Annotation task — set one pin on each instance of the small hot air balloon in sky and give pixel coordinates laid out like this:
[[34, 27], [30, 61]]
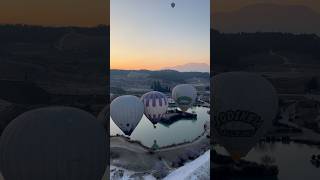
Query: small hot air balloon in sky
[[173, 4], [126, 112], [245, 105], [184, 95], [155, 105], [53, 143]]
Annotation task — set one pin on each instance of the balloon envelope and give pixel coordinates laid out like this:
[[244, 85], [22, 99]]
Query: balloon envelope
[[112, 97], [173, 5], [184, 95], [245, 105], [126, 112], [53, 143], [104, 116], [155, 105]]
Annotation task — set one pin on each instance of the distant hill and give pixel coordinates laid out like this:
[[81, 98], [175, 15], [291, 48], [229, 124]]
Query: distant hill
[[190, 67], [268, 17], [41, 34], [229, 48], [167, 75]]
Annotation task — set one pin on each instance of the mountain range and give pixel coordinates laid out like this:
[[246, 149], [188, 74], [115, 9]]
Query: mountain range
[[190, 67], [268, 17]]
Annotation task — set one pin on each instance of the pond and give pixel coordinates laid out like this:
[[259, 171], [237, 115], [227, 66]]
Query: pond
[[180, 131], [293, 160]]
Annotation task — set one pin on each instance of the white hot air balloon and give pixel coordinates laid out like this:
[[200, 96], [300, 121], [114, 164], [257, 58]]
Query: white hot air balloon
[[245, 105], [155, 105], [184, 95], [53, 143], [126, 112]]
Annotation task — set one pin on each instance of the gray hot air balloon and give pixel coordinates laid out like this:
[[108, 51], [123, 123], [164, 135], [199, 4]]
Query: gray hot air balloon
[[245, 105], [55, 143], [173, 4], [126, 112], [155, 105], [184, 95]]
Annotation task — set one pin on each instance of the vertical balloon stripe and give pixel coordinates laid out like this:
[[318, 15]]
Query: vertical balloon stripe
[[160, 102], [153, 100], [147, 100]]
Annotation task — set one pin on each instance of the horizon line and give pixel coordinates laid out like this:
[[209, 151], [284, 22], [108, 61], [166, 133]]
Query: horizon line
[[117, 69]]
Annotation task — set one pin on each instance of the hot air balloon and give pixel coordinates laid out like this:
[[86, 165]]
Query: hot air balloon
[[245, 105], [126, 112], [104, 116], [155, 105], [112, 97], [173, 4], [53, 143], [184, 95]]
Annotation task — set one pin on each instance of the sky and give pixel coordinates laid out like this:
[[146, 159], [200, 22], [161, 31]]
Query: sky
[[93, 12], [55, 12], [231, 5], [149, 34]]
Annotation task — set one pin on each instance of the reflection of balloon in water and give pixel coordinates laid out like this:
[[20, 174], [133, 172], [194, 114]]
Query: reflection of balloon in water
[[155, 146], [173, 5], [53, 143], [245, 105], [184, 95], [155, 105], [126, 111]]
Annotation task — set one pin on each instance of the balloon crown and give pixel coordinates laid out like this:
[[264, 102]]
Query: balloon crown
[[252, 120]]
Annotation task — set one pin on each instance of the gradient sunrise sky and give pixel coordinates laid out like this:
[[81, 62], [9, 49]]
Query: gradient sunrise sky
[[149, 34], [55, 12]]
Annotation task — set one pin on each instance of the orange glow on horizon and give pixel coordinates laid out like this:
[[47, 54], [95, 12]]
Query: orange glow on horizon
[[148, 63]]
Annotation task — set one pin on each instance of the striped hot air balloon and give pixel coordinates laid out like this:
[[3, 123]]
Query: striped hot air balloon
[[155, 105]]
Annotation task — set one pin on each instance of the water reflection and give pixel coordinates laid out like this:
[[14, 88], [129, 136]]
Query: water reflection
[[180, 131], [292, 159]]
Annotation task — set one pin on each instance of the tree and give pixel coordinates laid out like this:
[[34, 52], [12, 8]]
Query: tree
[[156, 86]]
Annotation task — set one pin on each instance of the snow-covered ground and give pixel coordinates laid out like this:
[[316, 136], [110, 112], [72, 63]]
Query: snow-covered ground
[[117, 173], [198, 169]]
